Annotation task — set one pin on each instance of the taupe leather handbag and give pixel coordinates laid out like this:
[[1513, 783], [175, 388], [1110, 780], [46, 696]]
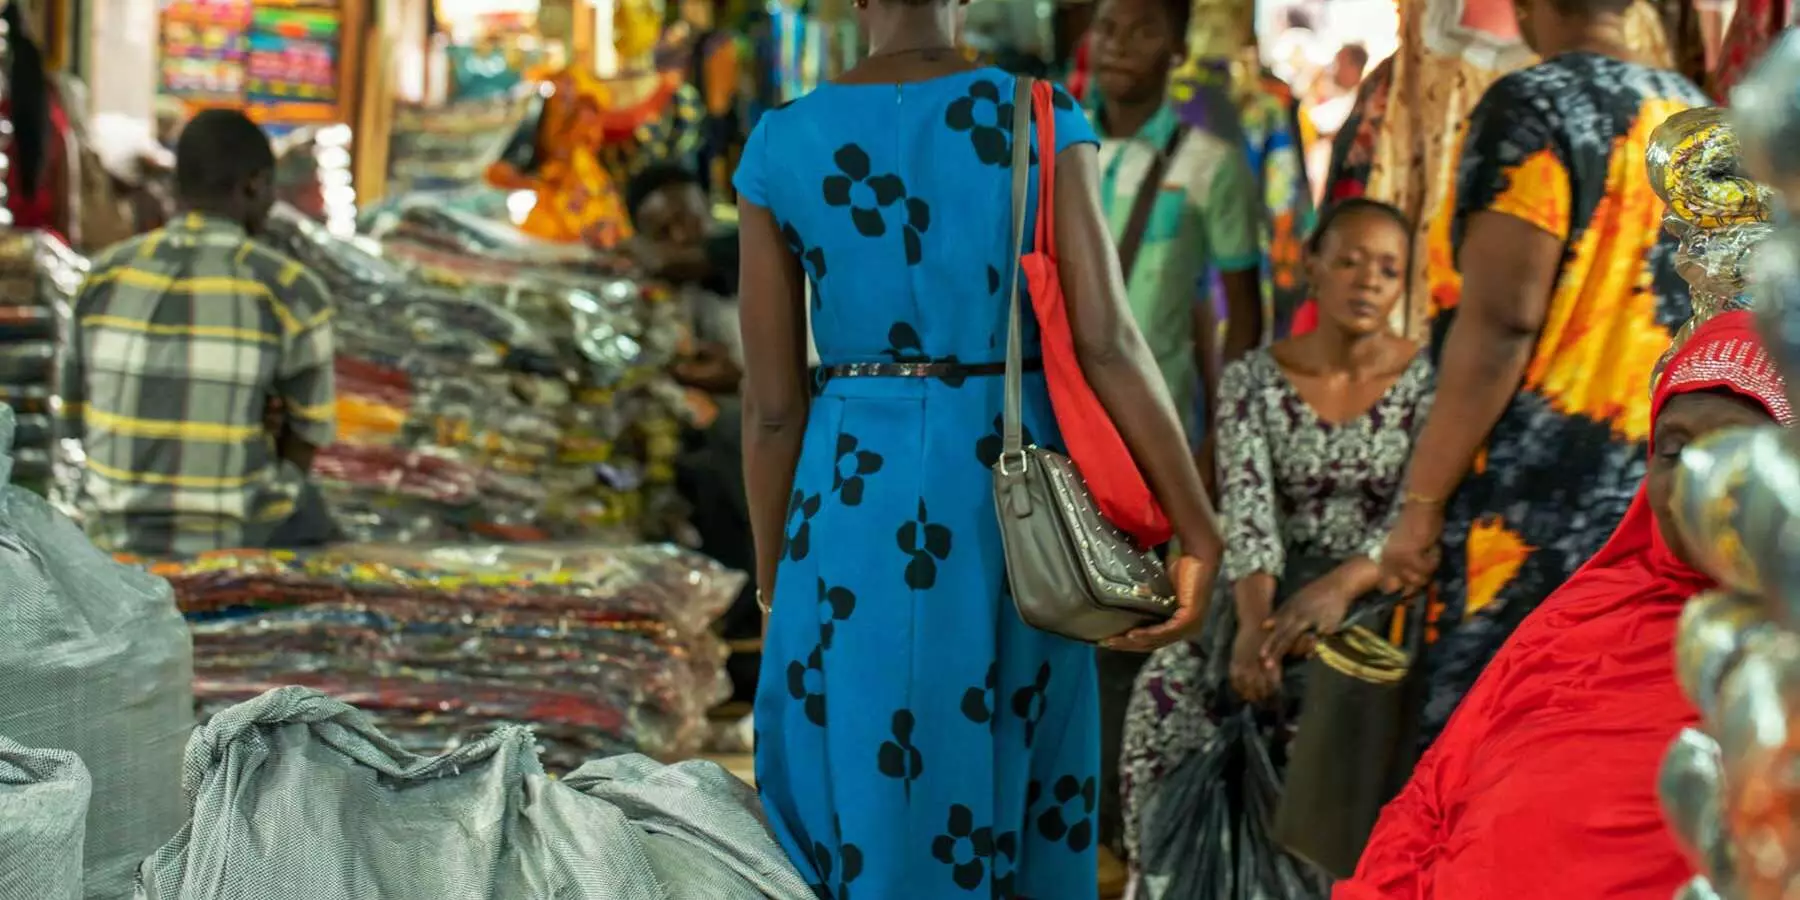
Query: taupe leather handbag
[[1071, 571]]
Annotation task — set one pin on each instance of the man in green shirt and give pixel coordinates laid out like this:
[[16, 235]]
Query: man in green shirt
[[1204, 216]]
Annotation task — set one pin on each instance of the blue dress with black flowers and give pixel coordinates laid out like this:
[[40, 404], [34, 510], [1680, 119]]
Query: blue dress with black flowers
[[915, 740]]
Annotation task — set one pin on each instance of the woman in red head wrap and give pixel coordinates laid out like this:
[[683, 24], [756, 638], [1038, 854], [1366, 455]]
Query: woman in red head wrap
[[1544, 783]]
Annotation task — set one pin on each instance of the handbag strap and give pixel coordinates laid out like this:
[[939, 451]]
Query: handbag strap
[[1012, 447], [1132, 239]]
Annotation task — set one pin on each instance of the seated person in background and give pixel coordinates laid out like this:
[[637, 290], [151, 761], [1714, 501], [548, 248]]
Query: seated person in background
[[198, 375], [1543, 785], [1315, 434], [675, 242]]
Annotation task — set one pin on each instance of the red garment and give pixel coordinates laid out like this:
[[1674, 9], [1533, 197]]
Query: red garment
[[1080, 72], [37, 210], [1544, 783], [1306, 318], [1753, 27], [1093, 441]]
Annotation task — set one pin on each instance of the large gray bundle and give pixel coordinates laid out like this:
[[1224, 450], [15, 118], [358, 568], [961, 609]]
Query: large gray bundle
[[297, 796], [94, 659], [43, 813]]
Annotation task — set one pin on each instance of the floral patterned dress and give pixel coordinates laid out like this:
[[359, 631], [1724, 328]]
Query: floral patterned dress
[[1294, 485]]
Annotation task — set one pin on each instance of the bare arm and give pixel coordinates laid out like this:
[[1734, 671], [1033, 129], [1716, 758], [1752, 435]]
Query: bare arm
[[1509, 270], [1114, 357], [775, 399]]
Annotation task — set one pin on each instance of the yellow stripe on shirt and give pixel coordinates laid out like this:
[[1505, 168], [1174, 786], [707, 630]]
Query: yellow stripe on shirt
[[157, 429], [194, 482], [122, 323]]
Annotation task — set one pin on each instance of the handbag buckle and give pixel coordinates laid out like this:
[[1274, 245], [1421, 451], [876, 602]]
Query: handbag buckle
[[1007, 460]]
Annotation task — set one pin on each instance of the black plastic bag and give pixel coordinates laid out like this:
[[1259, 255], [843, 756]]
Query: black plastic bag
[[1207, 829]]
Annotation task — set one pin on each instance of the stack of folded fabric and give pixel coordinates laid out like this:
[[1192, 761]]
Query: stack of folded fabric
[[600, 649], [39, 276]]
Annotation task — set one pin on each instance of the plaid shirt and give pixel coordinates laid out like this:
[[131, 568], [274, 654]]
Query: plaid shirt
[[182, 340]]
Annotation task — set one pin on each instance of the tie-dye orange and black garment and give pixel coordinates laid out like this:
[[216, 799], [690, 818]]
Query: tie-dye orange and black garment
[[1561, 146]]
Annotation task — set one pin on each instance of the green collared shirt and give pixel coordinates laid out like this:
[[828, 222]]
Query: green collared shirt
[[1205, 217]]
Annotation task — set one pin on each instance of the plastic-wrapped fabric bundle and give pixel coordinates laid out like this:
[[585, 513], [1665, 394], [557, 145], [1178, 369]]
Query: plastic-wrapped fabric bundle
[[39, 276], [43, 820], [296, 796], [603, 649], [96, 660]]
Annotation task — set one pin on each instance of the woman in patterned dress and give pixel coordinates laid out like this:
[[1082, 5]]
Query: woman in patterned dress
[[915, 740], [1315, 435], [1554, 291]]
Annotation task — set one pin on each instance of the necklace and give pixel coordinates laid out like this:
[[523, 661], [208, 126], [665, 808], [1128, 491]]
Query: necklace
[[885, 54]]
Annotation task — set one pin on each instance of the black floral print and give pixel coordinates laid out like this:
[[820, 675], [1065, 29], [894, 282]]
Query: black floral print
[[900, 758], [848, 867], [927, 544], [904, 346], [1069, 817], [988, 120], [801, 509], [978, 702], [878, 191], [964, 848], [1029, 702], [811, 257], [853, 465], [835, 605], [988, 449], [806, 683]]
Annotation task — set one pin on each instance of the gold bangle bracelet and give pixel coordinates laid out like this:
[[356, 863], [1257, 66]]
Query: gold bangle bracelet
[[762, 602], [1413, 498]]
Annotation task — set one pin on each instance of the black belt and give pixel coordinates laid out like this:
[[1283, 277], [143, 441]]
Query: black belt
[[944, 369]]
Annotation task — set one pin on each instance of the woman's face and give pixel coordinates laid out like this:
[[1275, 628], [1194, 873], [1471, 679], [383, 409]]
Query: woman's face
[[1358, 272], [1684, 419]]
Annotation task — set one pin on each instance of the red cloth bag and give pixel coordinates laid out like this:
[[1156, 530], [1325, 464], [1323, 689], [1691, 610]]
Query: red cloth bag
[[1088, 432]]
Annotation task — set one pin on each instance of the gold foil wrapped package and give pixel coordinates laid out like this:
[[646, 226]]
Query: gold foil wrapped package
[[1696, 168], [1759, 747], [1689, 784], [1715, 626]]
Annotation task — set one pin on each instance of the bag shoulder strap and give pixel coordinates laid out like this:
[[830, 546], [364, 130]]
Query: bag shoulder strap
[[1132, 240], [1012, 445]]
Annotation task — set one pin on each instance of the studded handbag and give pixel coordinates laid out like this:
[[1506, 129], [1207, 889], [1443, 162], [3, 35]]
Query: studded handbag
[[1071, 571]]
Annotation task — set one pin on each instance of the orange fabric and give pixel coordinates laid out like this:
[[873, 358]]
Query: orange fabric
[[1093, 441], [1544, 783]]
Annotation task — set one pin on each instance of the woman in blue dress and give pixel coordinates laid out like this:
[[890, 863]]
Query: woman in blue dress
[[915, 739]]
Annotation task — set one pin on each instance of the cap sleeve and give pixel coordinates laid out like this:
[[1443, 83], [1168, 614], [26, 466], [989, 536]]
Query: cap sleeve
[[1512, 163], [750, 178], [1072, 125]]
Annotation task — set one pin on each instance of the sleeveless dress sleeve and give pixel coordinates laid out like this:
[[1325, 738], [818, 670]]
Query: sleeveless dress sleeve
[[750, 178], [1072, 125]]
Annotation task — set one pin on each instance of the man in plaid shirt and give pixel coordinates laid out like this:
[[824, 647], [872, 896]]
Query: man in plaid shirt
[[199, 373]]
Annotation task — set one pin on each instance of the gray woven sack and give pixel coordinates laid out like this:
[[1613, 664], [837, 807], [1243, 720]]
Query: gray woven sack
[[297, 796], [43, 814], [96, 660]]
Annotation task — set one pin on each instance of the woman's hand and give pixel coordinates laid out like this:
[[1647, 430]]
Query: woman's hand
[[1193, 578], [1410, 557], [1254, 682], [1319, 608]]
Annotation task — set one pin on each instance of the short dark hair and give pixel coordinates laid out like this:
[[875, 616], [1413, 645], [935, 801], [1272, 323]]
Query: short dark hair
[[220, 151], [653, 178], [1358, 54], [1349, 207], [1181, 15]]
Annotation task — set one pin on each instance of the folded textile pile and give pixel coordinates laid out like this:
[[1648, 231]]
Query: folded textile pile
[[95, 660], [495, 389], [39, 276], [297, 796], [43, 818], [602, 649]]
